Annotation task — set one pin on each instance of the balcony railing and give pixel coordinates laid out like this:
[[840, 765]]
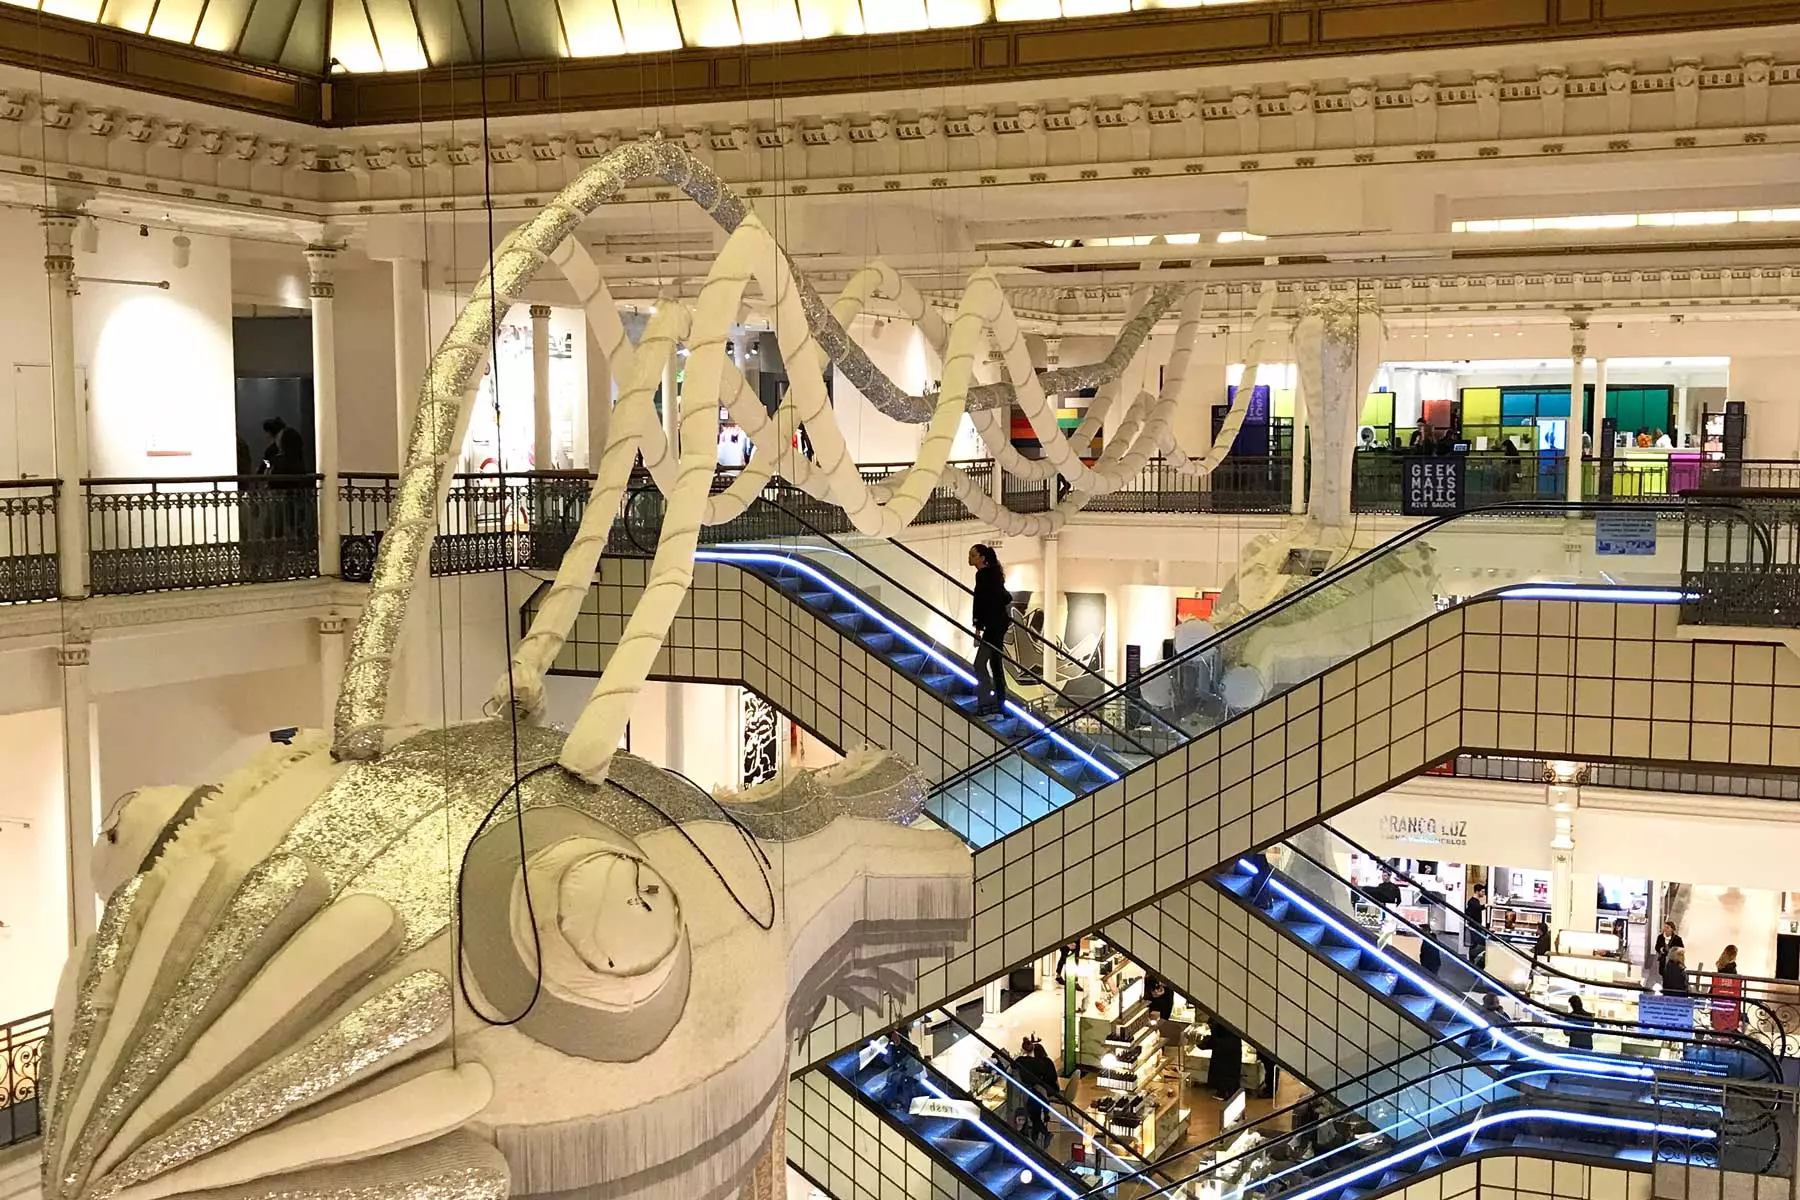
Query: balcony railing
[[27, 540], [23, 1044], [152, 535]]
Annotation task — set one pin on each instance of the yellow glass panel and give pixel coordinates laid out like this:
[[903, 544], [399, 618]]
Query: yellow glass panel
[[127, 14], [1027, 10], [176, 20], [764, 21], [830, 18], [352, 41], [1481, 406], [79, 10], [396, 35], [709, 22], [592, 27], [946, 14], [222, 25], [895, 16], [1281, 402], [649, 25]]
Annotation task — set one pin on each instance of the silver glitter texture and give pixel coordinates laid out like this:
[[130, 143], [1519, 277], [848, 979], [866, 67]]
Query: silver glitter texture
[[110, 944], [271, 902], [366, 1039]]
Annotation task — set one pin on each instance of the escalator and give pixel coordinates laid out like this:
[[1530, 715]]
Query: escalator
[[1437, 987]]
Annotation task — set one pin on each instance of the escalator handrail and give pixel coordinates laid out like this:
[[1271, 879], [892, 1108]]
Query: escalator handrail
[[1048, 726], [1044, 1161], [1099, 1131], [1472, 1062], [1559, 1020], [1068, 701], [1336, 575], [1431, 900]]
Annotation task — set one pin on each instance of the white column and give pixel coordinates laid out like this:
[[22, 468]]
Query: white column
[[1577, 378], [1679, 434], [1051, 606], [1599, 415], [331, 663], [1563, 794], [674, 729], [78, 785], [671, 413], [599, 403], [71, 464], [1297, 492], [542, 457], [412, 348], [320, 259]]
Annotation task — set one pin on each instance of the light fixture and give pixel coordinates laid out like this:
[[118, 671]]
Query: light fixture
[[184, 249], [87, 235]]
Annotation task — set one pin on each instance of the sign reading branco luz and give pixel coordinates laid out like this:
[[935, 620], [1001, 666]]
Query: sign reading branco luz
[[1427, 830]]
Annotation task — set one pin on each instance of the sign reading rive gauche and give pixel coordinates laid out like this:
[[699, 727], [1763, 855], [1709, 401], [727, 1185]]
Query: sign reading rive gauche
[[1427, 830], [1429, 486]]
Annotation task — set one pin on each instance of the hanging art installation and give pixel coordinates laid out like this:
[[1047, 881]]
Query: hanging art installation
[[497, 959]]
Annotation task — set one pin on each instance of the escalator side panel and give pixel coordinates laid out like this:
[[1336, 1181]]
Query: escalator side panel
[[845, 1147], [1318, 1023]]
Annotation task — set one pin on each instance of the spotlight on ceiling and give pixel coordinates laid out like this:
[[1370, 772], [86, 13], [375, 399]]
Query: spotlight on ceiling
[[183, 250]]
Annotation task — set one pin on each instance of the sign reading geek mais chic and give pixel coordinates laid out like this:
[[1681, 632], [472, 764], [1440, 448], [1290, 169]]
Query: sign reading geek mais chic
[[1429, 486]]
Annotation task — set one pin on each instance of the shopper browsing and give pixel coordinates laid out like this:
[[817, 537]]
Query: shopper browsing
[[1475, 925], [1666, 941], [1387, 892]]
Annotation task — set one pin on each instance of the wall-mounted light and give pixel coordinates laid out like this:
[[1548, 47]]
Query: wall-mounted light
[[184, 251]]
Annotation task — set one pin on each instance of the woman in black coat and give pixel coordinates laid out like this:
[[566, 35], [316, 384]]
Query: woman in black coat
[[1674, 973], [991, 616], [1225, 1072]]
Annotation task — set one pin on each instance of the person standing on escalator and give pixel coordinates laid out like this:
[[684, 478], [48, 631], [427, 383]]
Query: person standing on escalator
[[993, 613]]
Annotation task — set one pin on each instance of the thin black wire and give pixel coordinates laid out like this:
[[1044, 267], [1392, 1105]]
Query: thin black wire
[[762, 866], [512, 693]]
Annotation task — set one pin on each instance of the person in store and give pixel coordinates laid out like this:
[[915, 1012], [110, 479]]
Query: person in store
[[1727, 964], [1475, 925], [1036, 1073], [1662, 440], [1581, 1032], [1225, 1071], [1387, 892], [1161, 1000], [1512, 466], [905, 1075], [992, 615], [1674, 973], [1666, 941]]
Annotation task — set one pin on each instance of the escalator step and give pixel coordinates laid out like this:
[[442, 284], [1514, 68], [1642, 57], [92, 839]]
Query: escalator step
[[878, 644], [1347, 957], [936, 1129], [1421, 1007], [1278, 910], [1004, 1178], [1236, 883], [1380, 982], [1310, 932], [967, 1154], [820, 601]]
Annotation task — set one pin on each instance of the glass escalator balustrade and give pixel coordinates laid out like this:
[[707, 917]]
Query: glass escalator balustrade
[[1351, 608]]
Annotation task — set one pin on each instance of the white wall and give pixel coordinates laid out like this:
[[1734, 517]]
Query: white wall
[[33, 870], [1766, 385], [901, 351], [363, 326], [162, 393]]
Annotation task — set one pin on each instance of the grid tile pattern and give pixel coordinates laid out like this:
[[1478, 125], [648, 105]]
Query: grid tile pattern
[[734, 628], [1549, 679], [849, 1150], [1319, 1023], [1679, 1181]]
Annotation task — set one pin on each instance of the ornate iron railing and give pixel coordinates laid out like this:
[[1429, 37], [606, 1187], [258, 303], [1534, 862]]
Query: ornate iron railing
[[1741, 557], [27, 540], [152, 535], [23, 1045]]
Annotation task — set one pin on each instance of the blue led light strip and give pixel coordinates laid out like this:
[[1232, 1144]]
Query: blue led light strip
[[1454, 1003], [1025, 1160], [1612, 595], [900, 631]]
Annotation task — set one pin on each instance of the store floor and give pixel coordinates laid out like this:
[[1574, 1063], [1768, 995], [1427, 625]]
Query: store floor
[[1203, 1124]]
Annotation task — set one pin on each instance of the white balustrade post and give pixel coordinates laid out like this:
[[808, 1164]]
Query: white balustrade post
[[71, 466], [320, 261], [542, 456], [1599, 419], [412, 347], [1578, 328], [78, 785]]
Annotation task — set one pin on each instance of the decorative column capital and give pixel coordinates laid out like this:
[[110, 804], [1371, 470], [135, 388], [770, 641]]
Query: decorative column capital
[[540, 312], [59, 240], [333, 625], [321, 261], [75, 654]]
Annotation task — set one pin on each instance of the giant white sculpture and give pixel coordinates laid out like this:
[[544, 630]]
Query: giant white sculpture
[[493, 959]]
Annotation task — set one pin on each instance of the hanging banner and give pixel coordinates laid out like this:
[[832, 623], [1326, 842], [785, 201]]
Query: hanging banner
[[1727, 1006], [1430, 486], [956, 1110], [1624, 532]]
